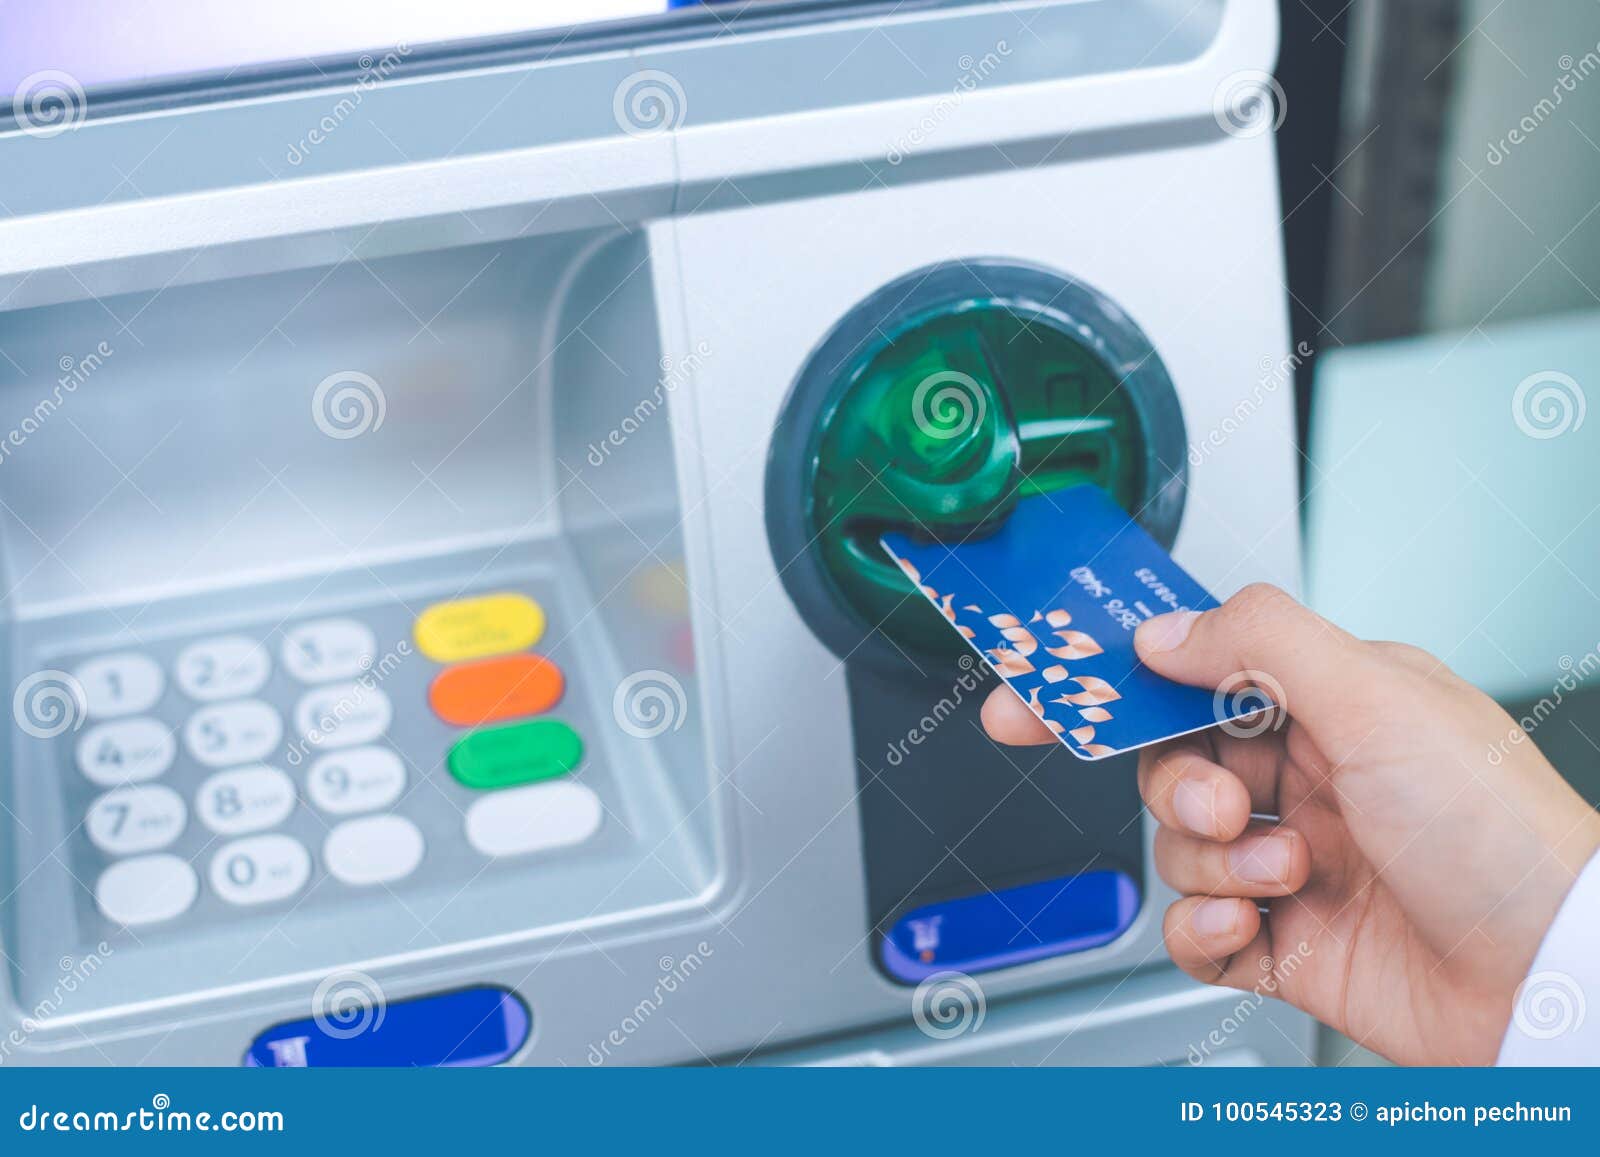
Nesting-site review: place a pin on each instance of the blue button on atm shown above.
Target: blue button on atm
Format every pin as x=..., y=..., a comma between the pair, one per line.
x=468, y=1027
x=1010, y=926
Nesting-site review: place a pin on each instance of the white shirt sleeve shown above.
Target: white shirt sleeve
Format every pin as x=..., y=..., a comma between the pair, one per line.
x=1551, y=1023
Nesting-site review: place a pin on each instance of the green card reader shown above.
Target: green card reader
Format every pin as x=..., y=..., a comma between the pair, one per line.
x=935, y=405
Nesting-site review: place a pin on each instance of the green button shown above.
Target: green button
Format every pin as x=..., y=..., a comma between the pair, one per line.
x=520, y=753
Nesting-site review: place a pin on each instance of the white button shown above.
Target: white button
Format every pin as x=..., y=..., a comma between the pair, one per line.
x=224, y=668
x=362, y=779
x=328, y=649
x=146, y=889
x=260, y=869
x=135, y=819
x=343, y=715
x=373, y=850
x=128, y=751
x=124, y=684
x=533, y=819
x=245, y=799
x=237, y=732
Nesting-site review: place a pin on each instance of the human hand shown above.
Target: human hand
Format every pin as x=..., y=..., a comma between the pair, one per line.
x=1422, y=844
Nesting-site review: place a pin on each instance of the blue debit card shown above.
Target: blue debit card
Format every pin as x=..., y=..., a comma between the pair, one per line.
x=1051, y=602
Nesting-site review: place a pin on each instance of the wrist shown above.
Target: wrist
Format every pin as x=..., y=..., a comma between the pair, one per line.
x=1545, y=1021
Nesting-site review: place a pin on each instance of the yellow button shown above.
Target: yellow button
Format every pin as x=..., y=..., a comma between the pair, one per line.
x=474, y=628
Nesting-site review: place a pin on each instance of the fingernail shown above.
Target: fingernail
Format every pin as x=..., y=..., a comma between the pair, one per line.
x=1196, y=805
x=1216, y=918
x=1264, y=860
x=1164, y=632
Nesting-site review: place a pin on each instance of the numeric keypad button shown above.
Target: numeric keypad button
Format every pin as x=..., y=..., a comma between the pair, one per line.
x=128, y=820
x=121, y=684
x=260, y=869
x=342, y=715
x=244, y=799
x=362, y=779
x=227, y=667
x=536, y=818
x=146, y=889
x=373, y=850
x=328, y=649
x=126, y=751
x=243, y=731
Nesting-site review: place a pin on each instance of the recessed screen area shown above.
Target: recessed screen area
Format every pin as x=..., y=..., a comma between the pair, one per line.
x=387, y=667
x=130, y=44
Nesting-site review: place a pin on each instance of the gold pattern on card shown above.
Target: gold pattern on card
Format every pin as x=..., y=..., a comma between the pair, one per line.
x=1011, y=661
x=1078, y=646
x=1095, y=692
x=1021, y=640
x=1008, y=663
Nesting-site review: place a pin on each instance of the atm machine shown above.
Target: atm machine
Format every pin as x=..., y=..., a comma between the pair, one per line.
x=438, y=508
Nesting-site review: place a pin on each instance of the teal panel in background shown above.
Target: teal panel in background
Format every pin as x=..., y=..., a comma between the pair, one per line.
x=1453, y=506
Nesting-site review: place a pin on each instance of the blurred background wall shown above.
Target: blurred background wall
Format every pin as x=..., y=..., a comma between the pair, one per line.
x=1441, y=184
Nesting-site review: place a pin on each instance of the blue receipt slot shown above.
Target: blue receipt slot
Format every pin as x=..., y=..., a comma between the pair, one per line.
x=466, y=1028
x=995, y=929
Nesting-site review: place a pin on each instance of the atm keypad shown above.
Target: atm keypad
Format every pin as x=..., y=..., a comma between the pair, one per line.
x=491, y=690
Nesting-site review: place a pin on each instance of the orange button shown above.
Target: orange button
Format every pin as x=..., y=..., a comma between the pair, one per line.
x=494, y=689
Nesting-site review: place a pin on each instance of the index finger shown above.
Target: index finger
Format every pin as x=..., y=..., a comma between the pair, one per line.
x=1009, y=720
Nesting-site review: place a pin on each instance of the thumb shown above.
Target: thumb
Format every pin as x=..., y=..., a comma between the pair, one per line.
x=1262, y=637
